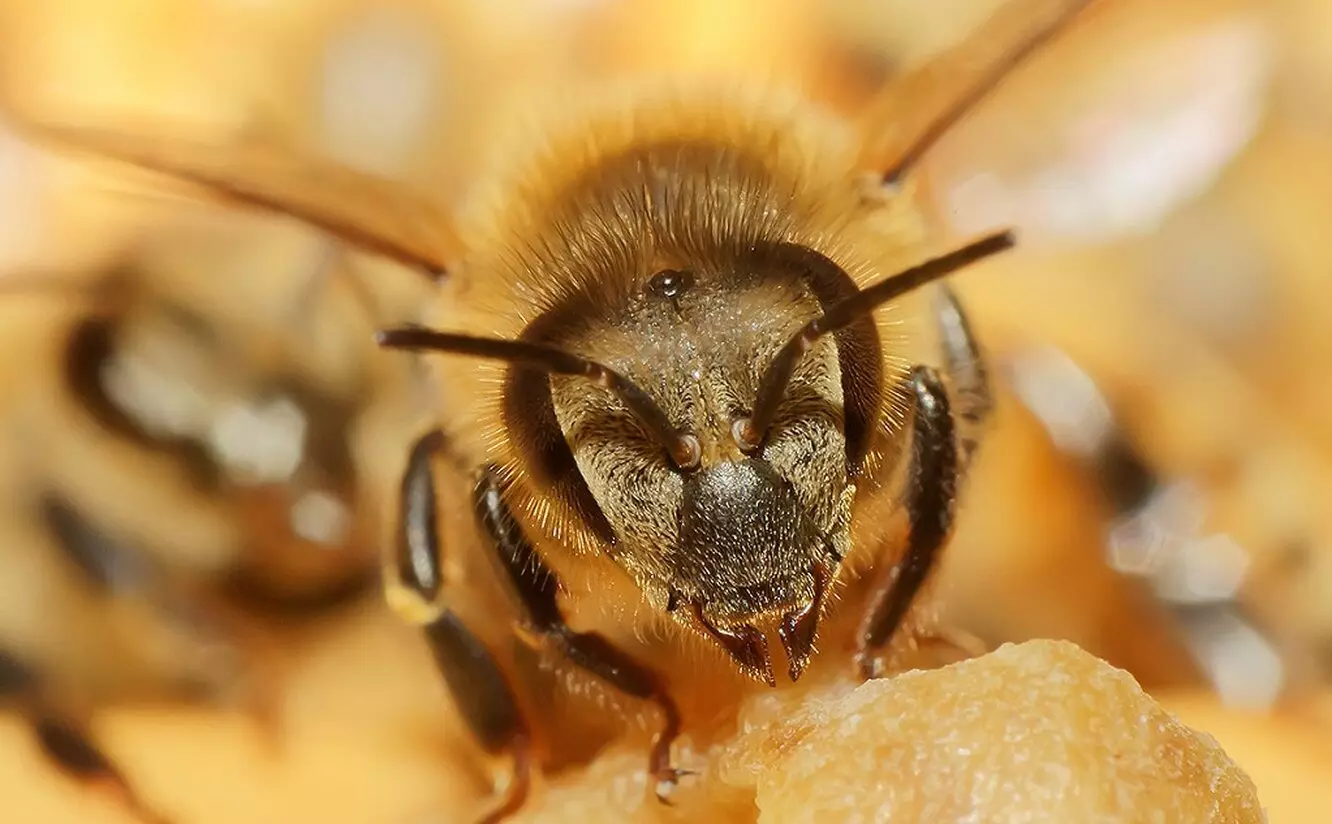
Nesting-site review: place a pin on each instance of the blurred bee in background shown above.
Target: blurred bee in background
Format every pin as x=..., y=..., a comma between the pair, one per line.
x=1156, y=532
x=179, y=485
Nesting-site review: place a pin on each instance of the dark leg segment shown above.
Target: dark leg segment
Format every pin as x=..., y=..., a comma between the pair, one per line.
x=965, y=367
x=70, y=747
x=946, y=437
x=484, y=698
x=475, y=681
x=66, y=743
x=195, y=618
x=418, y=561
x=537, y=588
x=105, y=562
x=1080, y=423
x=930, y=500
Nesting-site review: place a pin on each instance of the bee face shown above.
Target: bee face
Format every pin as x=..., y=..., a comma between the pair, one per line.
x=737, y=538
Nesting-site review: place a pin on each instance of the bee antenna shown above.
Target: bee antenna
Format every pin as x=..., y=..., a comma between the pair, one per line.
x=682, y=447
x=751, y=431
x=919, y=107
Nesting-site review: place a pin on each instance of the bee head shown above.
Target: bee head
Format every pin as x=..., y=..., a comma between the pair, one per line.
x=708, y=429
x=735, y=538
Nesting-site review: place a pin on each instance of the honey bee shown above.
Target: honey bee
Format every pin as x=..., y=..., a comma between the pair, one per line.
x=679, y=408
x=174, y=483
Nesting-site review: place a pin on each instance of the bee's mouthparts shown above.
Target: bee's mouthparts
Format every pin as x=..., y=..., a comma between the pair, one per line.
x=798, y=628
x=746, y=644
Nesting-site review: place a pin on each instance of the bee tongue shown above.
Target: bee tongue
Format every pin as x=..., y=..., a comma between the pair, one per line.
x=746, y=645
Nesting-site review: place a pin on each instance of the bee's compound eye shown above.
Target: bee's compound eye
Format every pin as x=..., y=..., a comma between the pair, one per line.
x=671, y=283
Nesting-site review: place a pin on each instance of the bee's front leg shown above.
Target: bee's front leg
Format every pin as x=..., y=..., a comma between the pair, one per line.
x=967, y=372
x=479, y=687
x=940, y=455
x=65, y=741
x=929, y=502
x=538, y=588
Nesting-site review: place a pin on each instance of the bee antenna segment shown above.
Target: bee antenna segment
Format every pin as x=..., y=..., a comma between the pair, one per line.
x=751, y=431
x=683, y=448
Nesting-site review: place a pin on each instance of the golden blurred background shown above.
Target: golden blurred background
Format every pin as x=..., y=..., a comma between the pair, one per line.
x=195, y=419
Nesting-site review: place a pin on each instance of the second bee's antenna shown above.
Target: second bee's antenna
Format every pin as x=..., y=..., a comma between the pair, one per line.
x=683, y=447
x=751, y=431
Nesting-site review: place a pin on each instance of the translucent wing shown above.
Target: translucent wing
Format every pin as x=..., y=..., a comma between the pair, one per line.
x=918, y=107
x=1111, y=139
x=367, y=211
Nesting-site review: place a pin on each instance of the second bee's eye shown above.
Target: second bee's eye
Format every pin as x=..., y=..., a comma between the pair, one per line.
x=671, y=283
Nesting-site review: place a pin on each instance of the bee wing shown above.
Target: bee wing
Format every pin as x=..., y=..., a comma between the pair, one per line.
x=918, y=107
x=365, y=210
x=1136, y=122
